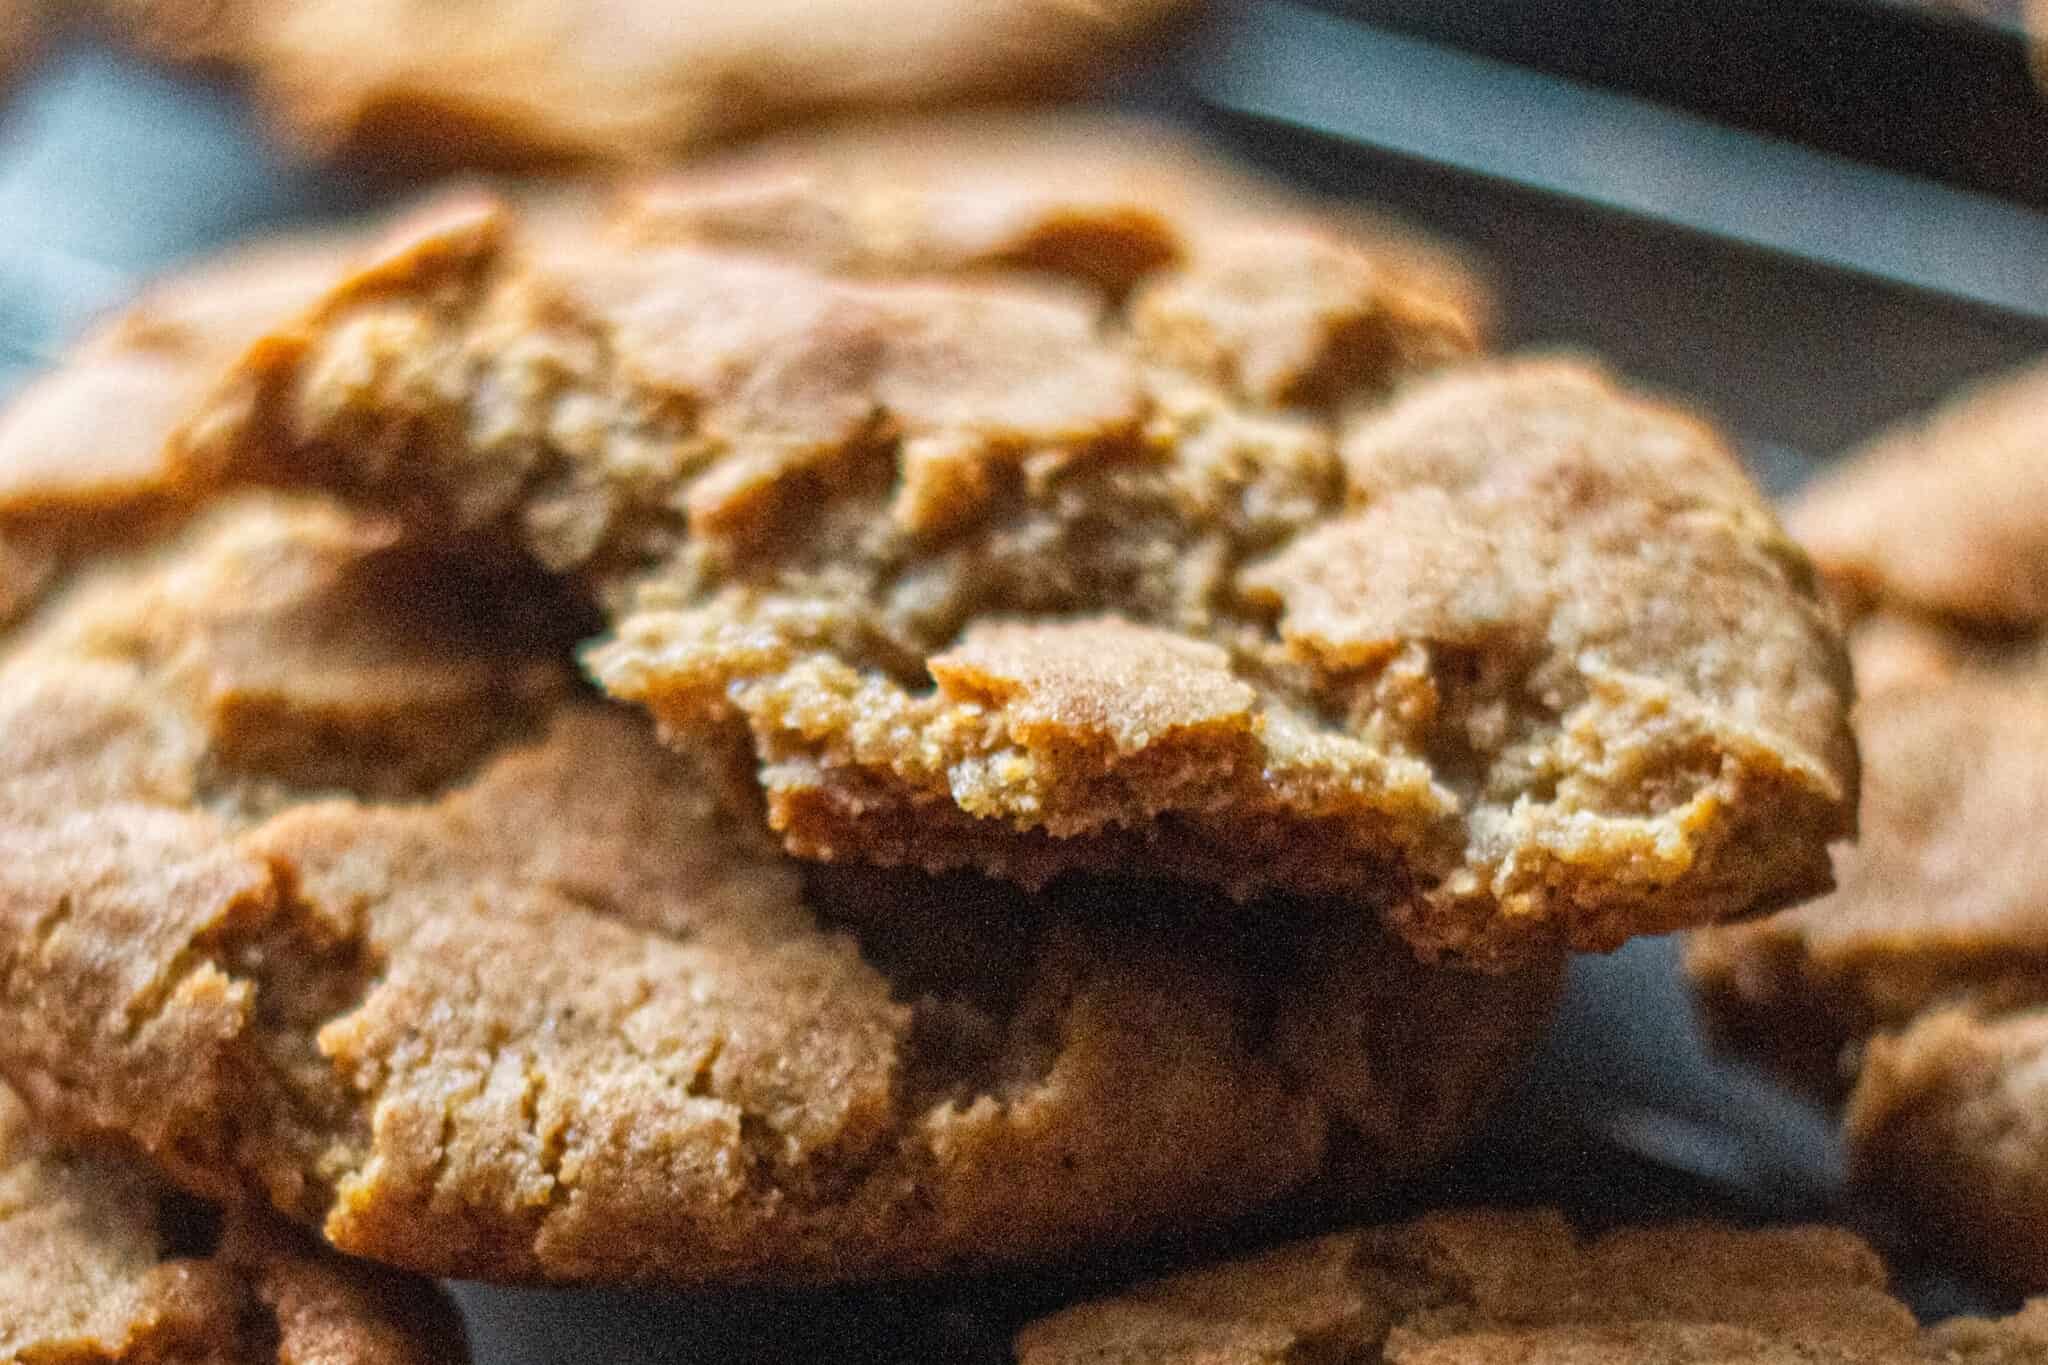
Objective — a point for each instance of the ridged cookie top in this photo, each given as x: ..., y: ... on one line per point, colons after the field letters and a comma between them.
x: 1485, y: 1288
x: 1035, y: 532
x: 92, y: 1273
x: 323, y: 885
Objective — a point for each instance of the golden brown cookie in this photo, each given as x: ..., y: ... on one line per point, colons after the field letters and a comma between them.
x: 100, y: 1263
x: 324, y: 885
x: 1945, y: 517
x: 443, y: 82
x: 1028, y: 521
x: 82, y: 453
x: 1488, y: 1288
x: 1933, y: 536
x: 1917, y: 994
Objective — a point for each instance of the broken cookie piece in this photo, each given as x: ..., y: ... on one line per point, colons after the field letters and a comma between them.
x: 101, y: 1264
x: 1501, y: 1288
x: 1035, y: 534
x: 324, y: 886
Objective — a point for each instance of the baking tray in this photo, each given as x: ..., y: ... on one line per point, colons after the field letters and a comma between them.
x: 1938, y: 88
x: 1843, y: 288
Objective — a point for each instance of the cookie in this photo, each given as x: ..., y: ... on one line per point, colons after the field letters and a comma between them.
x: 1916, y: 996
x: 1028, y: 525
x: 324, y: 884
x: 508, y: 82
x: 101, y: 1263
x: 1931, y: 537
x: 82, y: 449
x: 1945, y: 517
x: 1491, y: 1288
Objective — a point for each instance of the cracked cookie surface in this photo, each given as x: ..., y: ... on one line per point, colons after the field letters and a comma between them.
x: 433, y: 83
x: 1031, y: 518
x: 325, y: 885
x: 1916, y: 996
x: 1487, y: 1288
x: 101, y: 1264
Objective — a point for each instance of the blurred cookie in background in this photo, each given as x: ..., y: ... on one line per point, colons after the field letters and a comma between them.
x: 427, y: 84
x: 102, y: 1263
x: 1916, y: 995
x: 1481, y: 1287
x: 2037, y: 27
x: 1944, y: 519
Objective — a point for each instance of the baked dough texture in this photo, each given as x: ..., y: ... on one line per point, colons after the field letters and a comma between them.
x: 1055, y: 512
x: 1507, y: 1288
x: 324, y: 886
x: 436, y: 83
x: 92, y: 1273
x: 1917, y: 994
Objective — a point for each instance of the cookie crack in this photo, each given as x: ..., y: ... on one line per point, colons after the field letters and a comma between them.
x: 551, y: 1147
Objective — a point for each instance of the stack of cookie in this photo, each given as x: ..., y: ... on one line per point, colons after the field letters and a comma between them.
x: 910, y: 700
x: 904, y: 702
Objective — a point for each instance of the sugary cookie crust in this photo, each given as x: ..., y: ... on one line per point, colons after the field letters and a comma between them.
x: 83, y: 448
